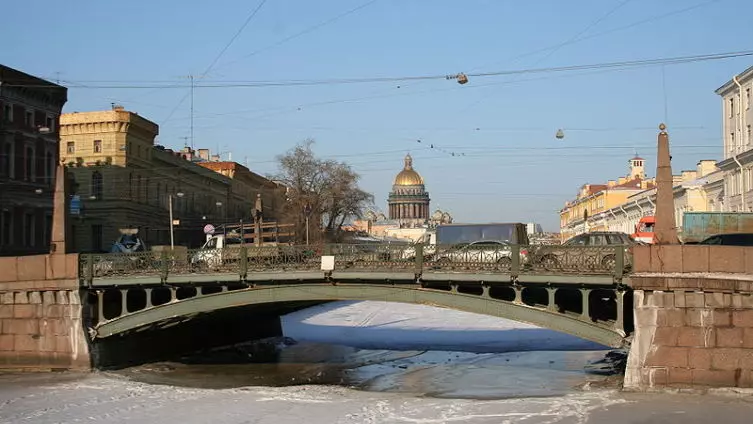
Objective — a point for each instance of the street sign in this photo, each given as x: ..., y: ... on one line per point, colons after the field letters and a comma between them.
x: 209, y: 229
x: 75, y: 205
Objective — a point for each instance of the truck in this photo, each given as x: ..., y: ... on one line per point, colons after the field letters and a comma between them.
x: 644, y: 230
x: 697, y: 226
x: 513, y: 233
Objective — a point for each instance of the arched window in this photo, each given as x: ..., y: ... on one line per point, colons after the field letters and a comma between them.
x: 96, y: 187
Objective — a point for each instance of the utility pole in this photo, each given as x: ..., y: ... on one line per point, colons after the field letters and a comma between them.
x: 192, y: 87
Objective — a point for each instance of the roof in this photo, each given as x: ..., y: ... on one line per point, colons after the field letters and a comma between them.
x: 10, y: 77
x: 635, y: 183
x: 742, y: 77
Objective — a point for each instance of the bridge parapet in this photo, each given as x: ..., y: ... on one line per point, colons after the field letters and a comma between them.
x: 693, y: 317
x: 391, y: 261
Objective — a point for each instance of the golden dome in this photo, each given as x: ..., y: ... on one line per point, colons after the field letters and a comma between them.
x: 408, y: 177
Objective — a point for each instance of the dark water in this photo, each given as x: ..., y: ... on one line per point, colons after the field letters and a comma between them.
x: 282, y: 362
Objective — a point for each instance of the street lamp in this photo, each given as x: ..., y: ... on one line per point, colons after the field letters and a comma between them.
x: 224, y: 224
x: 170, y: 208
x: 307, y: 213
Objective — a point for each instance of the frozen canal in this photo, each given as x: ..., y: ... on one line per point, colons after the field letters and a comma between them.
x: 450, y: 367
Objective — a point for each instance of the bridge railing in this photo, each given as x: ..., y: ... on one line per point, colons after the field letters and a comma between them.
x: 243, y: 260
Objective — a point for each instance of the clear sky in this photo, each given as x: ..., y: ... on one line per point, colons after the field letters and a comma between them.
x: 514, y: 169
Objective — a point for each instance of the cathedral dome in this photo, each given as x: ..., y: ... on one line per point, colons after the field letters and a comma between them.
x: 408, y: 176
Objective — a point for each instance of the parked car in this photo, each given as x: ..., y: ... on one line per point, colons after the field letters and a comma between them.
x: 482, y: 251
x: 736, y: 239
x: 567, y: 256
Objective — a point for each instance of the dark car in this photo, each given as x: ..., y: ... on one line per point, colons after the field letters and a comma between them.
x: 737, y: 239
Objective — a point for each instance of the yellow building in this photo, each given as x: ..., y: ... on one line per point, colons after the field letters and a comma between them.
x: 596, y: 198
x: 124, y: 181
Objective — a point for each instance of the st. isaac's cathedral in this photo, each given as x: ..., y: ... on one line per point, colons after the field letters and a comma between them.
x: 407, y: 205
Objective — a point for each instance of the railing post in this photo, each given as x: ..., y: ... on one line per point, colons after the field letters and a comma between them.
x: 243, y: 262
x: 164, y: 266
x: 123, y: 302
x: 619, y: 262
x: 552, y: 302
x: 515, y: 264
x: 419, y: 259
x: 100, y: 306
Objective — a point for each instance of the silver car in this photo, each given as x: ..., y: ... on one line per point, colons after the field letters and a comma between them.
x: 482, y: 251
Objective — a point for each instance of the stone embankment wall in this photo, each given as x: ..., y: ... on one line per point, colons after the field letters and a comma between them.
x: 41, y: 313
x: 693, y: 317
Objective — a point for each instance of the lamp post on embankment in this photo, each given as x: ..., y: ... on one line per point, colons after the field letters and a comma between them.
x: 693, y: 305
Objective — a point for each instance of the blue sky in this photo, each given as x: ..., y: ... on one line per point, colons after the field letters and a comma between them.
x: 513, y: 169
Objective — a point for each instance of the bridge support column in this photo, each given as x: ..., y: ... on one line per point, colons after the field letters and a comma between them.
x: 619, y: 299
x: 148, y: 293
x: 551, y: 306
x: 100, y: 306
x: 518, y: 294
x: 586, y: 299
x: 123, y: 302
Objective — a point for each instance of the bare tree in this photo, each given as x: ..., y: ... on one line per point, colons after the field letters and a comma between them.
x: 325, y: 189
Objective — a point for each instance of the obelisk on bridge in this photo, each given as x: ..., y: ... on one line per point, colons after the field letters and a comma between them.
x: 59, y: 211
x: 665, y: 229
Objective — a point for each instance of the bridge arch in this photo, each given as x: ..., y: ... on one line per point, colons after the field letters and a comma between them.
x: 608, y: 335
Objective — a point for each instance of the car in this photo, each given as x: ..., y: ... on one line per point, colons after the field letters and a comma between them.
x: 736, y: 239
x: 599, y: 258
x: 481, y: 251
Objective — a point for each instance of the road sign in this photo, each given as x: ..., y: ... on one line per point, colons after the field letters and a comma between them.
x: 75, y: 205
x: 209, y: 229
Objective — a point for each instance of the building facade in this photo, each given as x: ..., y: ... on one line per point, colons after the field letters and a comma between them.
x: 737, y: 162
x: 408, y: 202
x: 30, y: 109
x: 594, y: 199
x: 123, y: 181
x: 700, y: 190
x: 245, y: 186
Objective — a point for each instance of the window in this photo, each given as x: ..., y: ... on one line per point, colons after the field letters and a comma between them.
x: 731, y: 107
x: 28, y: 230
x: 29, y: 118
x: 6, y: 228
x: 29, y: 165
x: 732, y: 139
x: 97, y: 146
x: 8, y: 113
x: 96, y: 238
x: 48, y: 122
x: 748, y: 135
x: 747, y: 98
x: 6, y: 159
x: 71, y: 147
x: 50, y: 167
x: 96, y: 187
x: 47, y: 230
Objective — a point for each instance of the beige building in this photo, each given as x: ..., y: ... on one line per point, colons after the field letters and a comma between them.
x: 594, y: 199
x: 699, y: 190
x: 124, y: 181
x: 737, y: 162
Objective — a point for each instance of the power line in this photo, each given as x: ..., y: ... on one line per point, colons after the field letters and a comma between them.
x: 294, y: 83
x: 303, y: 32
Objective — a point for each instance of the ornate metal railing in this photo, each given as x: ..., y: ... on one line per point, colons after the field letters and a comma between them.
x: 244, y: 260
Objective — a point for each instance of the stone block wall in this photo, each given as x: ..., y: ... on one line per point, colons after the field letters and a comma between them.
x: 692, y: 328
x: 41, y: 313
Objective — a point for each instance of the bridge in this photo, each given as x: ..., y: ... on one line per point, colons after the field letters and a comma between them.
x: 577, y: 290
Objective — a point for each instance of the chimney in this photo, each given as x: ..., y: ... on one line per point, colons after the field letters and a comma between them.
x: 611, y: 183
x: 686, y: 176
x: 706, y: 167
x: 621, y: 181
x: 204, y: 154
x: 118, y: 107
